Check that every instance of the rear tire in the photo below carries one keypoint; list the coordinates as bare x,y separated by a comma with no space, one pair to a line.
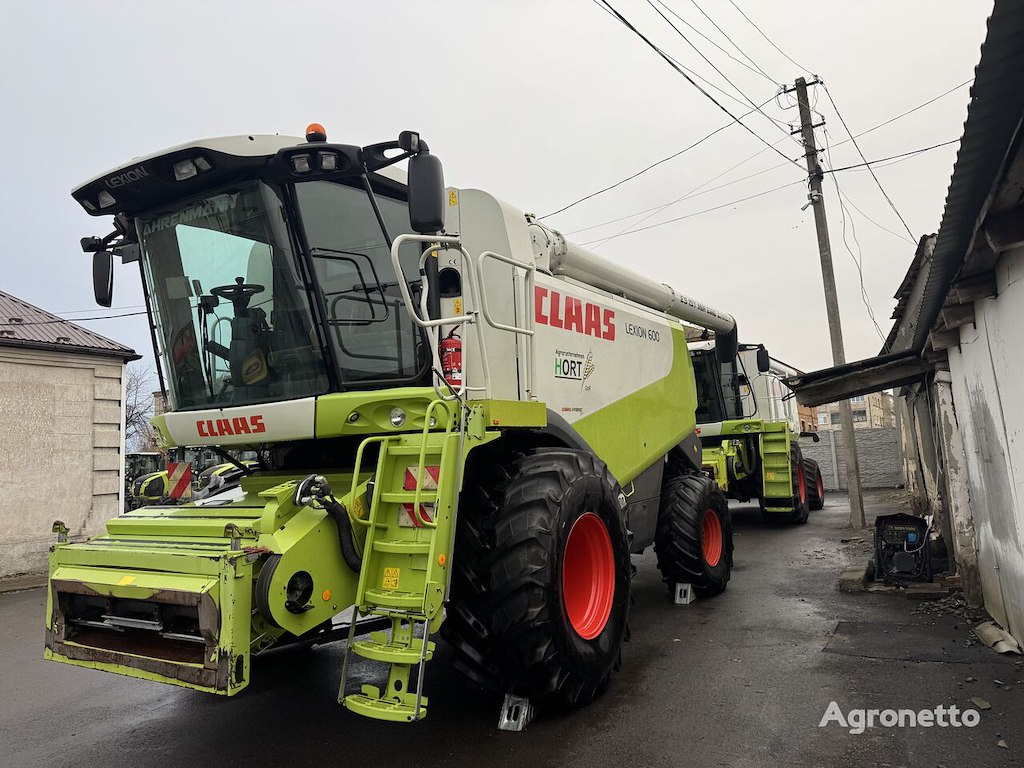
800,508
693,541
541,609
815,485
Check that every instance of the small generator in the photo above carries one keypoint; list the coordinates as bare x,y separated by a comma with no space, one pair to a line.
901,549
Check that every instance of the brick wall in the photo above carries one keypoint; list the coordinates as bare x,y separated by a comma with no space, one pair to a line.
877,450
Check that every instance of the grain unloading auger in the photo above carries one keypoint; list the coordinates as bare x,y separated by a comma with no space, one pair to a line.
469,428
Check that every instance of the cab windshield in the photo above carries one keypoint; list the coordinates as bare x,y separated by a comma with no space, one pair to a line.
719,396
231,310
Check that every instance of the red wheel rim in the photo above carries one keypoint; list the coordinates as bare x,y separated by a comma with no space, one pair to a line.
800,481
588,576
711,537
821,487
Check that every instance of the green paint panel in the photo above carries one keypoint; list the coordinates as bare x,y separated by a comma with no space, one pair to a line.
632,433
371,411
514,413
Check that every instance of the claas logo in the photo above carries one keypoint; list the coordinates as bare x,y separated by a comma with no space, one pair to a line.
572,314
239,425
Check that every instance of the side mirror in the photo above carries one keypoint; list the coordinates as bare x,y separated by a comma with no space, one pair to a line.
426,193
813,435
727,345
103,277
764,363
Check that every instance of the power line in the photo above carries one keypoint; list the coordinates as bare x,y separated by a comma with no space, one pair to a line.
69,320
696,75
911,153
697,213
859,259
97,309
904,114
692,193
741,51
755,69
782,165
849,200
688,196
689,79
770,42
867,164
645,170
775,123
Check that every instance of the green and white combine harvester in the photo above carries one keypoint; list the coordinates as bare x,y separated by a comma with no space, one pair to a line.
749,430
463,422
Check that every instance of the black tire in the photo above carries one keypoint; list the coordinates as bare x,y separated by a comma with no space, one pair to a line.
466,625
512,629
815,485
685,553
800,508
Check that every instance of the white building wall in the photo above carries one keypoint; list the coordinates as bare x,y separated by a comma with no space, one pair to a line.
61,450
988,390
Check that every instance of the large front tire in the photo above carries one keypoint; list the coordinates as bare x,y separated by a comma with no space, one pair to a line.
553,616
693,541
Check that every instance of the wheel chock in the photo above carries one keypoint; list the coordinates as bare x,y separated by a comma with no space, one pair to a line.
516,713
684,594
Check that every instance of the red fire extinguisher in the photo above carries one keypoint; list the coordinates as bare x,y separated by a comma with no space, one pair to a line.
450,351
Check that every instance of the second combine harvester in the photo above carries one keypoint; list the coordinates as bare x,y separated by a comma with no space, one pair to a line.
462,420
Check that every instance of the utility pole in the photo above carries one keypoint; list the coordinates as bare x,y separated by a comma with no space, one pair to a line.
828,278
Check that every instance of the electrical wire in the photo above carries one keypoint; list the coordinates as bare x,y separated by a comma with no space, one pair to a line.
69,320
770,42
743,53
692,193
688,196
775,123
645,170
97,309
695,74
849,200
866,163
877,163
904,114
625,22
858,260
755,69
911,153
699,213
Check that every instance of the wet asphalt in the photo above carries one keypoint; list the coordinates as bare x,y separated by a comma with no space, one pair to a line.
742,679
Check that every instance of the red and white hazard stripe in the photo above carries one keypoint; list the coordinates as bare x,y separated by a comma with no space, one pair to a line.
429,484
179,479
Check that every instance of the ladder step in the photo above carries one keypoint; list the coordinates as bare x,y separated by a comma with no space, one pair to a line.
378,648
369,704
412,450
408,497
392,598
402,546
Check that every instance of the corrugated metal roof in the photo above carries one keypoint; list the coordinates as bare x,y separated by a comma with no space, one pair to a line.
990,132
26,325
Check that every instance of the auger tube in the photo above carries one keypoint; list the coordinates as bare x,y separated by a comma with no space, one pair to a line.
577,263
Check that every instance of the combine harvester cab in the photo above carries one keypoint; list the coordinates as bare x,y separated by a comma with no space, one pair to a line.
442,429
749,428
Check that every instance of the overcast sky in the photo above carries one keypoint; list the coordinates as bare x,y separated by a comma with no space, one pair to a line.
539,103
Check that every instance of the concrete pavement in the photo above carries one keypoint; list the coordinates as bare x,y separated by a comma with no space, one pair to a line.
739,680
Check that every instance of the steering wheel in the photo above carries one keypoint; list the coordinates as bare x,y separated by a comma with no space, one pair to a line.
238,294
